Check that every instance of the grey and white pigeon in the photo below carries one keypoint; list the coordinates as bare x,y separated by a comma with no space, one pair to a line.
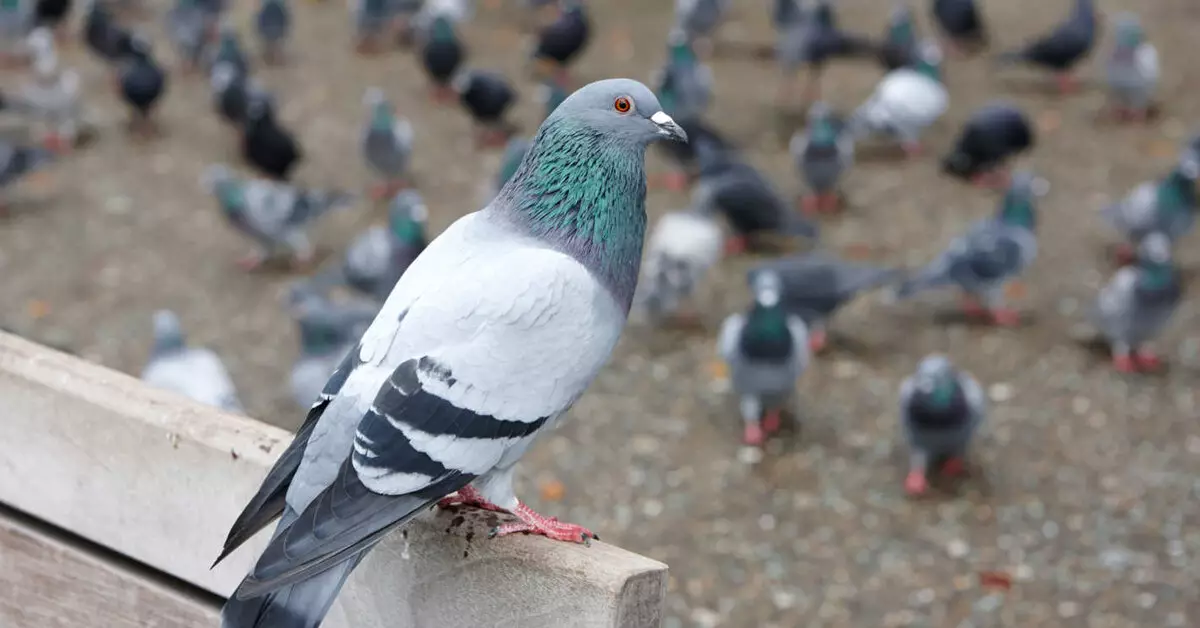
378,257
16,18
941,409
900,47
823,151
273,24
682,248
18,161
906,101
1061,49
989,255
386,144
685,85
53,98
370,20
228,50
1135,305
328,331
1166,206
487,340
1131,71
698,20
766,350
188,27
272,213
816,285
194,372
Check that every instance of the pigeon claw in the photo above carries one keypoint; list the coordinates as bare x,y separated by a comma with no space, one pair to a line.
549,527
442,94
953,467
913,150
915,484
772,421
1147,361
972,308
753,434
810,204
817,341
1124,363
829,202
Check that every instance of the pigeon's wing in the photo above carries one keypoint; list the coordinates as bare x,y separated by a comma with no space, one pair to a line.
1146,60
799,333
402,131
500,348
976,399
1135,212
1114,306
727,341
798,144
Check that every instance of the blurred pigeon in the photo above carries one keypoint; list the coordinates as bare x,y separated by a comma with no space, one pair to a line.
701,137
941,408
991,253
685,85
823,151
811,39
441,55
697,20
962,23
899,48
1061,49
232,93
371,21
487,97
1167,206
990,136
1132,71
784,13
188,28
682,248
194,372
906,102
404,13
752,206
386,144
16,162
560,42
514,153
273,23
229,50
266,145
52,14
328,331
143,83
1137,303
274,214
378,257
457,11
53,98
103,35
816,285
767,351
16,18
490,337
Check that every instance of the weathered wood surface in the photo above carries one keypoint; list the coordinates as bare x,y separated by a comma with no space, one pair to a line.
46,583
159,478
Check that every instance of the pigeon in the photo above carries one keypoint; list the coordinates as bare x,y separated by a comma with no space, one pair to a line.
404,13
194,372
188,27
1135,305
560,42
906,102
1132,73
962,23
16,162
442,54
371,21
53,98
514,154
328,331
702,136
685,85
682,248
823,152
1061,49
752,206
900,46
103,36
232,93
1167,206
16,18
229,50
143,83
386,144
272,213
377,258
487,97
991,135
810,39
697,20
816,285
273,23
991,253
766,350
492,334
52,14
266,145
941,408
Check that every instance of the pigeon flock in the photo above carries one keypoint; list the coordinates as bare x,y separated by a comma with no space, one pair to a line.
510,312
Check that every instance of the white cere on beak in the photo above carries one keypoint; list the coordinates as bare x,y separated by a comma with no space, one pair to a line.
667,127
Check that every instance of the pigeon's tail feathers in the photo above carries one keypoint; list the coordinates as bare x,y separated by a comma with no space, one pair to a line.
870,278
320,202
931,276
1008,58
299,605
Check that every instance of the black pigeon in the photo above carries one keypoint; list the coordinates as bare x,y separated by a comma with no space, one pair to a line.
441,55
562,40
51,13
232,93
487,97
270,148
991,135
104,36
962,23
143,83
1064,47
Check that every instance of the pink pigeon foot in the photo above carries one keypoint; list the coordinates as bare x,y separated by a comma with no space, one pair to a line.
829,203
817,340
772,421
915,484
913,150
953,467
251,262
735,245
1067,83
549,527
1124,364
810,204
1005,317
468,496
1147,361
972,308
1125,254
753,435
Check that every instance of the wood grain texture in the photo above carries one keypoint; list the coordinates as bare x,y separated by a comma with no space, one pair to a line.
50,584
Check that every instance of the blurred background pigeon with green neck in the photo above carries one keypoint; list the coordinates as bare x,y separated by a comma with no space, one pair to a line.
941,408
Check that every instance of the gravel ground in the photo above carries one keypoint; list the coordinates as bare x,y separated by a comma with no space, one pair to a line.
1083,504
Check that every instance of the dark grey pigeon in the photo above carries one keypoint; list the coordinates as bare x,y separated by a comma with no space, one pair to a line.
1136,304
962,23
810,39
18,161
941,409
273,23
1061,49
698,20
194,372
823,152
993,134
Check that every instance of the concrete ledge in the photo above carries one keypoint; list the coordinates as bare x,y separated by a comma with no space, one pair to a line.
159,478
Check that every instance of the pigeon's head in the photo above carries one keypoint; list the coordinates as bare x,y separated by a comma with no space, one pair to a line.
1028,185
377,104
139,46
222,76
441,28
168,332
679,47
407,214
929,59
623,110
1155,249
40,41
1189,163
767,287
220,181
1129,33
935,378
259,108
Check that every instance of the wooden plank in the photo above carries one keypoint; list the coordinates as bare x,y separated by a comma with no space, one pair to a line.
49,583
159,478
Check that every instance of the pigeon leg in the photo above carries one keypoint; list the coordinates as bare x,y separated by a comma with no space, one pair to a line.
736,245
252,261
1005,317
386,189
953,467
549,527
56,143
971,306
491,137
367,45
916,483
772,421
752,411
303,253
753,434
817,339
1147,360
1123,359
1067,83
810,204
829,202
468,496
1125,254
995,178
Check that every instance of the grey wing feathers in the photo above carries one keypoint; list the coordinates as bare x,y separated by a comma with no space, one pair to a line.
799,333
976,399
727,341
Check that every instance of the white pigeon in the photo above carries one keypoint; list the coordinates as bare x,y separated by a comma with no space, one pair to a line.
905,102
682,248
194,372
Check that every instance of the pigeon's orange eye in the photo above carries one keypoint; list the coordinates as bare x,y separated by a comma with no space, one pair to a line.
622,105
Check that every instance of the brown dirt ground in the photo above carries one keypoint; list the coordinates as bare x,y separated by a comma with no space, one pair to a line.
1084,488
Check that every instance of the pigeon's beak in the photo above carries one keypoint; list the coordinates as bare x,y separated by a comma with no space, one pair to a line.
668,128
